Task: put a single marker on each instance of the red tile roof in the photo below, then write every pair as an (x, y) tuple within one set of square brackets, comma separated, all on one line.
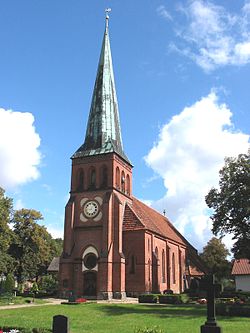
[(241, 267), (194, 271), (140, 216)]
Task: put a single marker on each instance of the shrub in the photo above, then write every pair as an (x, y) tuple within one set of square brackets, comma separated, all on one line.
[(148, 298), (239, 310), (222, 309), (184, 298), (173, 299), (48, 283)]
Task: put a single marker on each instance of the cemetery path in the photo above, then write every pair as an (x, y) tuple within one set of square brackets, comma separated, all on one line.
[(49, 301), (56, 301)]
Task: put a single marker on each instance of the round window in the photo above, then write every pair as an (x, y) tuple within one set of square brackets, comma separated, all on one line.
[(90, 260)]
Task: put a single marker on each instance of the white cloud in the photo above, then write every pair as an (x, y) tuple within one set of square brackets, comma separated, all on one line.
[(212, 36), (188, 155), (55, 232), (147, 202), (162, 11), (19, 143)]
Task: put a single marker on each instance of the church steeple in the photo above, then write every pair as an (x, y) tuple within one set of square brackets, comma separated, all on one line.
[(103, 133)]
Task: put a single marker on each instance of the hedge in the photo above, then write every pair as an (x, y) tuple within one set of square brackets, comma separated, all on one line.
[(231, 294), (164, 299), (239, 310), (148, 298), (173, 299)]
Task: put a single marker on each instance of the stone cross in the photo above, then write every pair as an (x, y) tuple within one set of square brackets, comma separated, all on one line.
[(211, 324), (60, 324)]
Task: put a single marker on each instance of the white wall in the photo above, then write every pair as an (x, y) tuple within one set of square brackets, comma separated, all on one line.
[(242, 282)]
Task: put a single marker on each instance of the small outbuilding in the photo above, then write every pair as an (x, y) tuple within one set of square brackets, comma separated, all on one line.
[(241, 273)]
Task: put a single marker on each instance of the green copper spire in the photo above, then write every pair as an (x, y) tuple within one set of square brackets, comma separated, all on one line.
[(103, 134)]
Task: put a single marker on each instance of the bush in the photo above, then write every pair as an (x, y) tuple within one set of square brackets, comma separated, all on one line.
[(48, 283), (222, 309), (148, 298), (239, 310), (240, 295), (173, 299)]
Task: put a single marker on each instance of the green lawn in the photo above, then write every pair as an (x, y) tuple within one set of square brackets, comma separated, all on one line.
[(120, 318)]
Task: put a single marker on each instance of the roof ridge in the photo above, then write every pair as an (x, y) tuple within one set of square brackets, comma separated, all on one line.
[(170, 224)]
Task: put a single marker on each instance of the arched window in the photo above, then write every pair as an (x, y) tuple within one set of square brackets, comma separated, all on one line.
[(123, 181), (132, 265), (149, 270), (128, 184), (156, 252), (92, 178), (104, 176), (148, 245), (117, 178), (80, 180), (173, 269), (163, 267)]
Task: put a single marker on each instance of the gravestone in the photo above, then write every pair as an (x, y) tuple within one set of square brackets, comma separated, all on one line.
[(210, 325), (60, 324)]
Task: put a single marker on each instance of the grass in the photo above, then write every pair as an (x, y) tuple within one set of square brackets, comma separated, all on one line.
[(122, 318)]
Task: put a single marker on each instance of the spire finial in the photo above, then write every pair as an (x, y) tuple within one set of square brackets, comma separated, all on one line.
[(107, 11)]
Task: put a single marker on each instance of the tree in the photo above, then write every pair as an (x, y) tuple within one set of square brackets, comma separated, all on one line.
[(56, 247), (214, 256), (48, 283), (231, 203), (6, 261), (9, 283), (32, 245)]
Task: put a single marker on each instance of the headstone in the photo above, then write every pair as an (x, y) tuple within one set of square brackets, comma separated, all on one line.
[(60, 324), (210, 325), (72, 297)]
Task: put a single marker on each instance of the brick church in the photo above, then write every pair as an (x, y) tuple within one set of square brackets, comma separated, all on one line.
[(115, 245)]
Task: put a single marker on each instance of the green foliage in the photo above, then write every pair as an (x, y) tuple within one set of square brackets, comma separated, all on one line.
[(239, 310), (231, 203), (6, 261), (56, 247), (28, 249), (173, 299), (214, 255), (34, 288), (9, 283), (48, 283), (33, 247), (148, 298)]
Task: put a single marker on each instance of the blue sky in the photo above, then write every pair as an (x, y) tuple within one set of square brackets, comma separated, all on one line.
[(182, 71)]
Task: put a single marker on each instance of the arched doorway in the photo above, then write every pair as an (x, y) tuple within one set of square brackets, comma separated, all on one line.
[(89, 283)]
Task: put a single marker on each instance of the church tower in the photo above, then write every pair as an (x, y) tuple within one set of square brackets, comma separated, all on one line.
[(93, 263)]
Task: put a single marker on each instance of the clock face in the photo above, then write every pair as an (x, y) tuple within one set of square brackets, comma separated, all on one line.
[(91, 209)]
